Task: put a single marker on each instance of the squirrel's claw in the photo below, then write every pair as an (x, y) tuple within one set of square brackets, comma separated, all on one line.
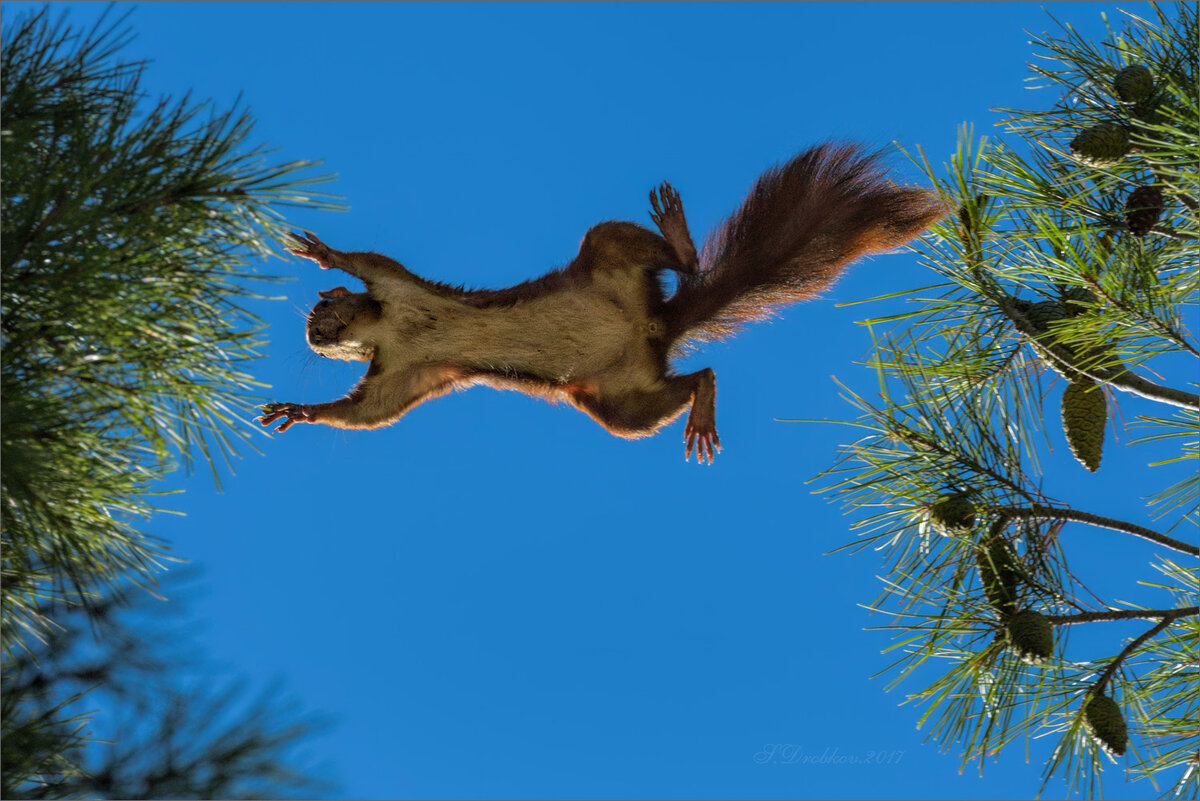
[(292, 412), (704, 441), (662, 200), (312, 248), (302, 240)]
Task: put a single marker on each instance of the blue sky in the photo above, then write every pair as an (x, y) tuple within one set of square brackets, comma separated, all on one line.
[(494, 597)]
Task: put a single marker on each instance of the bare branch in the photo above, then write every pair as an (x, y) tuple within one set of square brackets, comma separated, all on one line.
[(1123, 614), (1042, 512)]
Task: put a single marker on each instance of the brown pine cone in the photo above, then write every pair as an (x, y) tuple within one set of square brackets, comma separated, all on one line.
[(1143, 207)]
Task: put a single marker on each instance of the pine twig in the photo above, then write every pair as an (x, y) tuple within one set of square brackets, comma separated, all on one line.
[(1123, 614), (1136, 643), (1040, 511)]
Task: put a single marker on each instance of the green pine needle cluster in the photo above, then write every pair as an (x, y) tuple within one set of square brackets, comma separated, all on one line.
[(170, 728), (129, 231), (1050, 277)]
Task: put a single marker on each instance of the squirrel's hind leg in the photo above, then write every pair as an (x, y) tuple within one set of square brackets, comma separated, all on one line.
[(620, 245), (610, 246), (640, 413), (667, 213)]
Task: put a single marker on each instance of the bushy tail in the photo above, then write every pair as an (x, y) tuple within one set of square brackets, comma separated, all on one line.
[(801, 225)]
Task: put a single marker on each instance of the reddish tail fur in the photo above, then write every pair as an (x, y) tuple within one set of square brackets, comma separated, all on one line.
[(798, 229)]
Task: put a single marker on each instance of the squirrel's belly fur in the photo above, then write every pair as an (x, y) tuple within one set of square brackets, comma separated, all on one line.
[(600, 332), (590, 332)]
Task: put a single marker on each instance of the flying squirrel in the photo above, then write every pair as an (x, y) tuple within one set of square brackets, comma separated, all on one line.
[(600, 333)]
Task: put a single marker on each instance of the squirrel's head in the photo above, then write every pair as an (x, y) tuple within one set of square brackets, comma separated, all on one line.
[(341, 325)]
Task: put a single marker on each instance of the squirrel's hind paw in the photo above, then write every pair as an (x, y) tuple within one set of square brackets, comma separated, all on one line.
[(703, 439), (667, 212)]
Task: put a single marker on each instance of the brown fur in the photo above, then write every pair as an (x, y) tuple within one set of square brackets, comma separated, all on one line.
[(801, 225), (599, 333)]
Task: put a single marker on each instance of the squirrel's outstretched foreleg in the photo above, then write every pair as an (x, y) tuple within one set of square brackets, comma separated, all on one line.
[(369, 267), (382, 397)]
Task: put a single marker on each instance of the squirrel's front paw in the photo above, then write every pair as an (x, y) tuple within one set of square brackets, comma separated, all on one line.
[(291, 412), (701, 435), (312, 248)]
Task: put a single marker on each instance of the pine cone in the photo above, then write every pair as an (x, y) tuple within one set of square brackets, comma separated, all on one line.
[(1134, 83), (1084, 415), (1103, 717), (964, 214), (1041, 314), (1106, 143), (1031, 635), (998, 572), (1149, 110), (1077, 299), (1044, 312), (952, 514), (1143, 207)]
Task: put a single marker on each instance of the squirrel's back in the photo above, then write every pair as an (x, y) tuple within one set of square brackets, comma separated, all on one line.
[(801, 225)]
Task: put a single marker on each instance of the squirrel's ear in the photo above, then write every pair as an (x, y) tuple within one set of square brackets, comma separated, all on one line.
[(336, 292)]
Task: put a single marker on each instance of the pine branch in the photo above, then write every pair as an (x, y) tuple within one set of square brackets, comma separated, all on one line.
[(102, 292), (31, 236), (1041, 512), (1123, 614), (1136, 643), (1167, 230), (1151, 321), (1044, 253), (1118, 378), (964, 460)]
